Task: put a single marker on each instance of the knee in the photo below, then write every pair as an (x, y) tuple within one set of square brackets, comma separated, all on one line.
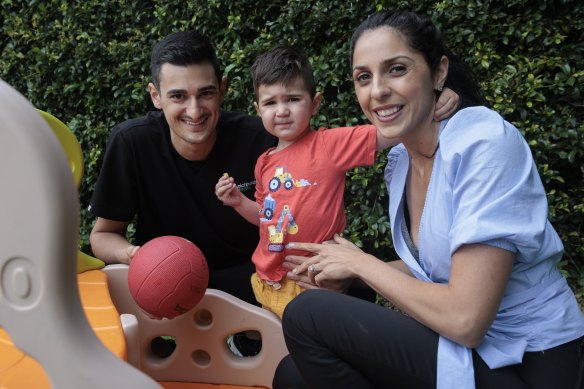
[(287, 375), (302, 310), (299, 306)]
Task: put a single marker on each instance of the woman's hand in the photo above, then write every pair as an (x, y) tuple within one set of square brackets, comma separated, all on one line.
[(331, 266)]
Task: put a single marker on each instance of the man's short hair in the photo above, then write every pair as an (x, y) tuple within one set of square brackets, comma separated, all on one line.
[(183, 48)]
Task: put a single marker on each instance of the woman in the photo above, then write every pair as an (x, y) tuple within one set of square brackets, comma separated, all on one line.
[(482, 300)]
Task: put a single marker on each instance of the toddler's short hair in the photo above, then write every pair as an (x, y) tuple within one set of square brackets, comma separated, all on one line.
[(282, 64)]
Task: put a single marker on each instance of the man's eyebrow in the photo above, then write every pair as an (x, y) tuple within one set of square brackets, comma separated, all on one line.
[(209, 87), (175, 91)]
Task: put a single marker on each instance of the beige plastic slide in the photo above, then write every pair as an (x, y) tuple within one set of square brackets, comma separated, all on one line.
[(201, 353), (39, 301), (40, 308)]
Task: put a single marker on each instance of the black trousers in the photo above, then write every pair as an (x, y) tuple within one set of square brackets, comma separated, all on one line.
[(338, 341), (235, 280)]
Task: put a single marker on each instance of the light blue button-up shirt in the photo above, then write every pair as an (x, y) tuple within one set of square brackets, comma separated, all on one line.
[(485, 188)]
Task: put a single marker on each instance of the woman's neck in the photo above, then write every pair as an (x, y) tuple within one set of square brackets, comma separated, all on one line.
[(425, 144), (422, 149)]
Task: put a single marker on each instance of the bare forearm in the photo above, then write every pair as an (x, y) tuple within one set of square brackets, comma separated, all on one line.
[(109, 243), (249, 210), (424, 301), (461, 310), (400, 265), (110, 247), (397, 264)]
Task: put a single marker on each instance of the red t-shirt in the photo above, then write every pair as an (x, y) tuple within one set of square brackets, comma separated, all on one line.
[(300, 191)]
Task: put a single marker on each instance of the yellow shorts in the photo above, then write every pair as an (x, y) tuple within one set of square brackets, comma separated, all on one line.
[(272, 299)]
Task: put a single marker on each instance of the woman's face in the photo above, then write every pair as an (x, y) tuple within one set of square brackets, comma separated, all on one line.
[(394, 85)]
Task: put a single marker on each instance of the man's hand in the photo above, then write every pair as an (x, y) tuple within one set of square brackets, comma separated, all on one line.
[(130, 252)]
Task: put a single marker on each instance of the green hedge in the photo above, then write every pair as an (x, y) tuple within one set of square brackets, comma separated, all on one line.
[(87, 63)]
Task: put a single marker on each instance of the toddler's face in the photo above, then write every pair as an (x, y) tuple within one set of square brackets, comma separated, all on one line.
[(286, 110)]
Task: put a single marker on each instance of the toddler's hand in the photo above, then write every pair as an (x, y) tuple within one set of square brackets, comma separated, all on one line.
[(227, 192), (446, 105)]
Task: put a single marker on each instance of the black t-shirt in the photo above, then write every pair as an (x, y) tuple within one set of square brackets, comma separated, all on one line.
[(142, 175)]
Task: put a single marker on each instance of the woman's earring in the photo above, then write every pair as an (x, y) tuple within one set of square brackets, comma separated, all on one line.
[(439, 88)]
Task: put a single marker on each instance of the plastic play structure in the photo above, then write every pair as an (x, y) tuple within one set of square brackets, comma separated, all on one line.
[(66, 321)]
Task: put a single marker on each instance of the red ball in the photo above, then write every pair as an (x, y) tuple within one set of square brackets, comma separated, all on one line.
[(168, 276)]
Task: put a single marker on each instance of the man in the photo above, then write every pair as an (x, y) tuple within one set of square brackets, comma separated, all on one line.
[(160, 170)]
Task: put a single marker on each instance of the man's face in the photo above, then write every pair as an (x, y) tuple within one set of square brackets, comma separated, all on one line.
[(190, 98)]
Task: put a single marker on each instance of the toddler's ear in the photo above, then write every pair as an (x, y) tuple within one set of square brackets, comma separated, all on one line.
[(316, 103)]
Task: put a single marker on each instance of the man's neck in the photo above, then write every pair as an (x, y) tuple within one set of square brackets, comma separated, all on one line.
[(193, 151)]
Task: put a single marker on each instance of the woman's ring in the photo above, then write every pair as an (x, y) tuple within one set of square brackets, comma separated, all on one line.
[(312, 269)]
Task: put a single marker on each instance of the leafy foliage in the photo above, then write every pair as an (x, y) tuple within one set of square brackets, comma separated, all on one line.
[(88, 64)]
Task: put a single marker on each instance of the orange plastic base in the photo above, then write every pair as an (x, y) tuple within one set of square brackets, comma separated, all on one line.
[(18, 371)]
